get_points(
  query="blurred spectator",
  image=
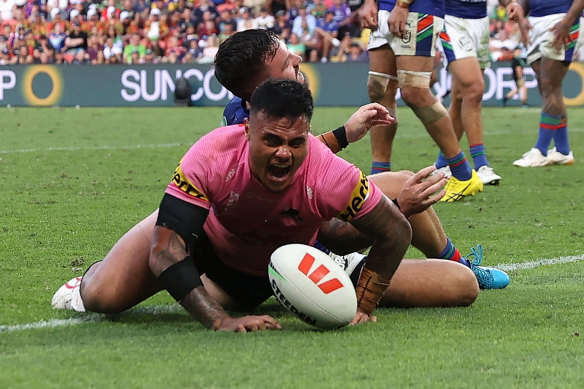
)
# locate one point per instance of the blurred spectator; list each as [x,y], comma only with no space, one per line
[295,46]
[76,40]
[317,8]
[282,26]
[210,47]
[264,19]
[43,51]
[227,31]
[57,37]
[134,44]
[327,32]
[245,20]
[342,16]
[273,6]
[208,26]
[6,7]
[303,15]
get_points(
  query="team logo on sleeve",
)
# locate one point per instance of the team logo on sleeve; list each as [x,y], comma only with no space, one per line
[184,184]
[358,197]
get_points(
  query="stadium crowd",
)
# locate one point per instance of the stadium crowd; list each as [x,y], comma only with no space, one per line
[189,31]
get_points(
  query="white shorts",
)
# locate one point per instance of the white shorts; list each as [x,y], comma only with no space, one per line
[422,31]
[541,39]
[464,38]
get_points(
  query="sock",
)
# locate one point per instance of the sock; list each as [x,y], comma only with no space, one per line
[441,161]
[477,152]
[460,167]
[451,253]
[547,126]
[380,167]
[561,137]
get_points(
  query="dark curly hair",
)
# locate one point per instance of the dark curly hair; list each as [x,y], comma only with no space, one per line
[241,57]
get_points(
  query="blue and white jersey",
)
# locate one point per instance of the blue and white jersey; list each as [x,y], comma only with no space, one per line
[548,7]
[466,9]
[235,112]
[430,7]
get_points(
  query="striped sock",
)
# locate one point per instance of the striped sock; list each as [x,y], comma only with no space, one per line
[479,157]
[451,253]
[561,137]
[460,167]
[441,161]
[547,127]
[380,167]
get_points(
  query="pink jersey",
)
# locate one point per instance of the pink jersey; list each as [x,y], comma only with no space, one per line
[246,222]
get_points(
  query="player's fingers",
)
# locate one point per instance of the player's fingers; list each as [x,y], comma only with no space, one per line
[424,173]
[270,322]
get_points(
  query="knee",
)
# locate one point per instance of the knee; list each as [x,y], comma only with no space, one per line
[467,287]
[97,298]
[473,92]
[416,97]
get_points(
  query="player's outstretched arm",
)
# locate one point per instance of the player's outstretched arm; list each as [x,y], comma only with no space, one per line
[171,264]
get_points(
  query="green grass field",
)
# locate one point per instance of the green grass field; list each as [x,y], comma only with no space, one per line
[72,181]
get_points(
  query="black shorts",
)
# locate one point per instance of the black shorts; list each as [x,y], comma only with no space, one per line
[249,291]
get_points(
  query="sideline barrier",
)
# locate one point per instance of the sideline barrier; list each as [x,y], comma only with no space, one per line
[153,85]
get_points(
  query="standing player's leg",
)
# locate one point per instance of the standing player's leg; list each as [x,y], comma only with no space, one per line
[382,87]
[414,80]
[554,120]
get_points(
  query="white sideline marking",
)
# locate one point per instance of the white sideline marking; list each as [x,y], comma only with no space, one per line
[158,309]
[87,318]
[105,147]
[539,262]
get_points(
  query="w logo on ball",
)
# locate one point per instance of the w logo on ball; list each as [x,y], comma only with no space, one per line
[318,274]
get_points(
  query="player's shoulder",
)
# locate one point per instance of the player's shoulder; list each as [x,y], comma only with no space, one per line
[235,112]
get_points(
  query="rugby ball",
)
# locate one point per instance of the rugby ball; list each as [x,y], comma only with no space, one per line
[312,286]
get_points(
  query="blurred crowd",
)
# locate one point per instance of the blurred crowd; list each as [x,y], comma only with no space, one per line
[189,31]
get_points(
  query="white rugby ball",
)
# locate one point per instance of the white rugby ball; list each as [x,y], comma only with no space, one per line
[311,285]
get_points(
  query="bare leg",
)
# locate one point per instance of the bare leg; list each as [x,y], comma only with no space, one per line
[382,61]
[431,283]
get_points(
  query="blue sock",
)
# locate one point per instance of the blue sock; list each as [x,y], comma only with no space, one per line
[547,126]
[380,167]
[451,253]
[561,137]
[477,152]
[441,161]
[460,167]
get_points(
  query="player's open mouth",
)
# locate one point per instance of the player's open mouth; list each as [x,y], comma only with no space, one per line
[278,171]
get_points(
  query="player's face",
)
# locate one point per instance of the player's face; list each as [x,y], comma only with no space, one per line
[277,148]
[284,65]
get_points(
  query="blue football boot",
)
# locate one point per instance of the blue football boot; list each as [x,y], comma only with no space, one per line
[488,277]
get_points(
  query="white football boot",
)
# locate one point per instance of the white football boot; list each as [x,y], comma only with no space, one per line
[488,175]
[558,158]
[533,158]
[68,296]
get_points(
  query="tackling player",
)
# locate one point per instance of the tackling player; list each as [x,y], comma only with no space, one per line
[252,56]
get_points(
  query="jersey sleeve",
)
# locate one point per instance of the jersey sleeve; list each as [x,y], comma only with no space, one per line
[343,190]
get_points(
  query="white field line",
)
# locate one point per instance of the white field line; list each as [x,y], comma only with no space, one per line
[403,134]
[87,318]
[157,309]
[539,262]
[105,147]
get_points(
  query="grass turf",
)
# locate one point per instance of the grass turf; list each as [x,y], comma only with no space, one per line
[73,181]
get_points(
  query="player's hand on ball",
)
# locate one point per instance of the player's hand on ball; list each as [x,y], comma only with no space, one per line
[246,324]
[364,118]
[362,317]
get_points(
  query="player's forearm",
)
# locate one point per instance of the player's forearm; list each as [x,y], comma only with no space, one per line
[335,140]
[391,233]
[204,308]
[574,11]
